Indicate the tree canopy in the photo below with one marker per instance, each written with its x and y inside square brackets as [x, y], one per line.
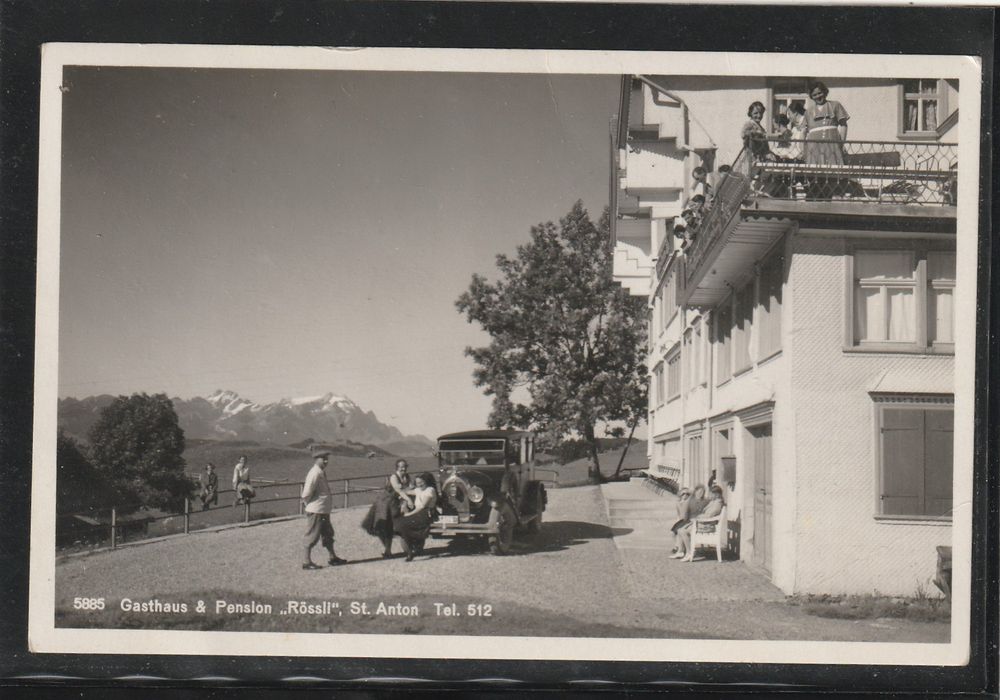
[137, 447]
[563, 333]
[79, 486]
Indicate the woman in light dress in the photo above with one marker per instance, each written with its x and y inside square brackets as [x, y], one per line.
[826, 121]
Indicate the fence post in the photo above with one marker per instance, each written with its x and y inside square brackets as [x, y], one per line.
[347, 491]
[114, 529]
[187, 516]
[246, 511]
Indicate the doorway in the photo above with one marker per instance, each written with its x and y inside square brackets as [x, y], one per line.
[762, 503]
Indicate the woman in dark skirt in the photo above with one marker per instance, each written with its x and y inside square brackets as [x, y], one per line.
[414, 526]
[388, 506]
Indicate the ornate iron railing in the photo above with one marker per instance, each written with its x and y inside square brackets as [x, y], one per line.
[880, 172]
[731, 191]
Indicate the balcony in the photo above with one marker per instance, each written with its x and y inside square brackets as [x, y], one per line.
[759, 199]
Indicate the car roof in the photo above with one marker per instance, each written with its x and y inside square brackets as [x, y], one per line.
[475, 434]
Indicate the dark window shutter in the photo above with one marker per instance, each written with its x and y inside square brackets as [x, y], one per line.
[902, 461]
[939, 456]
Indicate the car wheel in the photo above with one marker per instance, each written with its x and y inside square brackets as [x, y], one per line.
[500, 542]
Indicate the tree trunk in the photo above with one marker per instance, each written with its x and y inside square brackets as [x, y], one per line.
[594, 471]
[628, 444]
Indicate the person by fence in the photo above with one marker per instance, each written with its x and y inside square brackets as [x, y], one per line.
[241, 482]
[209, 487]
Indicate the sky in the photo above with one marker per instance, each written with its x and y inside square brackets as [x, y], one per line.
[293, 233]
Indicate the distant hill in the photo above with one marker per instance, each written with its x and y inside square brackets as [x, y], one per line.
[224, 415]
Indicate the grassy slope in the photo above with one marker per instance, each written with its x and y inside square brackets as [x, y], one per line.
[288, 463]
[274, 463]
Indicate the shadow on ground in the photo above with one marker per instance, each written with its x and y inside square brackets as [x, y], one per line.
[554, 537]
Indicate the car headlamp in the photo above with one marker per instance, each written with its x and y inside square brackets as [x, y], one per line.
[475, 494]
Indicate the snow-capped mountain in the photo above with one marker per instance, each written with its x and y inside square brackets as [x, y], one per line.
[225, 415]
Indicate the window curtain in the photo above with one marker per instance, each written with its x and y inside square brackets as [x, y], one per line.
[941, 314]
[901, 315]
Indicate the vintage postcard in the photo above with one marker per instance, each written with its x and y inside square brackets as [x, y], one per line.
[505, 354]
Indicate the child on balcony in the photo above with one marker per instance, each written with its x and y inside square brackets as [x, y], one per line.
[700, 186]
[782, 134]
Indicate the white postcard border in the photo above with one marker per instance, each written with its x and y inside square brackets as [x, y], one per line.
[45, 637]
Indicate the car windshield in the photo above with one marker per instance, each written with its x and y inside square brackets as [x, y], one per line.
[481, 452]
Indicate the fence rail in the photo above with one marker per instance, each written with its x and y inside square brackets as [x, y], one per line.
[127, 522]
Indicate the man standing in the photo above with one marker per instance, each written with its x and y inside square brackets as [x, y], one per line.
[319, 503]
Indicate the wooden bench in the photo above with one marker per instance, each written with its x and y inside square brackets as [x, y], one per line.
[710, 532]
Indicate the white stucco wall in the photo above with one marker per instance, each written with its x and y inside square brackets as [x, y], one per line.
[841, 547]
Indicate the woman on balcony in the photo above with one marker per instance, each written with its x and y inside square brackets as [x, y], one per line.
[826, 121]
[754, 134]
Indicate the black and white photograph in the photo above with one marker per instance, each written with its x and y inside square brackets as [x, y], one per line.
[505, 354]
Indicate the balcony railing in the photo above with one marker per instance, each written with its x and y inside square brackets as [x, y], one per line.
[881, 172]
[864, 172]
[731, 191]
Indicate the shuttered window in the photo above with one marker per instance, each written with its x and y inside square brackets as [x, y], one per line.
[742, 323]
[674, 376]
[769, 307]
[722, 342]
[916, 460]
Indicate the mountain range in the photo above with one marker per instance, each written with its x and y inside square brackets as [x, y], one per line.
[225, 415]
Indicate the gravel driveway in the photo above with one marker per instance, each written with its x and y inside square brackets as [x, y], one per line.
[568, 580]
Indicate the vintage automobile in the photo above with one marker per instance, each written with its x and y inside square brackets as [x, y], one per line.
[487, 487]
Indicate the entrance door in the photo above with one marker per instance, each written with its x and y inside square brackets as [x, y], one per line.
[761, 439]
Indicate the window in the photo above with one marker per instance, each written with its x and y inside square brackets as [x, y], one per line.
[668, 300]
[921, 106]
[687, 361]
[788, 92]
[650, 320]
[674, 376]
[884, 296]
[722, 447]
[902, 300]
[915, 458]
[693, 467]
[941, 298]
[701, 354]
[661, 392]
[769, 307]
[742, 328]
[723, 321]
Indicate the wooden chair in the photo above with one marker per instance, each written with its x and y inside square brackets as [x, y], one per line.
[711, 532]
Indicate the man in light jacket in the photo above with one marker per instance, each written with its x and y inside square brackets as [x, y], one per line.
[319, 502]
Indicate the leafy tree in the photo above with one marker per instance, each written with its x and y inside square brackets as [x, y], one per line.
[563, 332]
[137, 445]
[79, 486]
